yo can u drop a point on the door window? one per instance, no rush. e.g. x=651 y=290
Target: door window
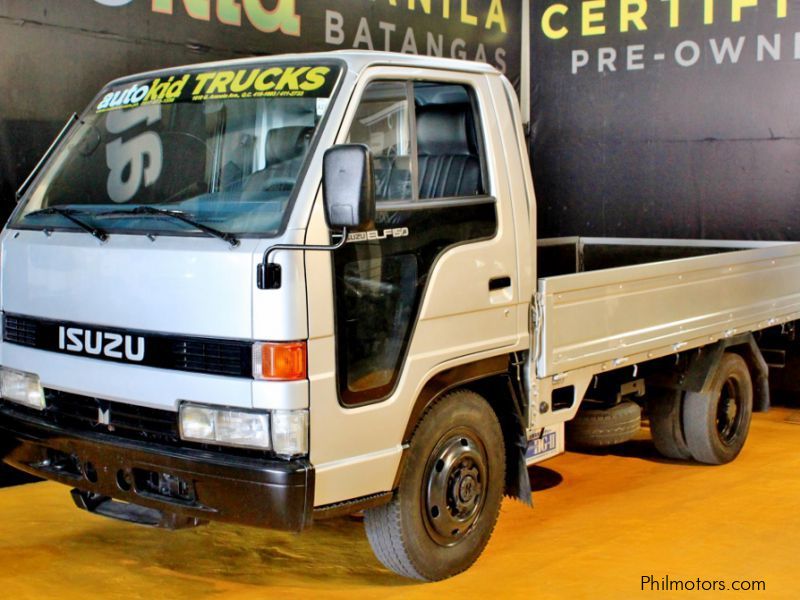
x=382 y=122
x=429 y=167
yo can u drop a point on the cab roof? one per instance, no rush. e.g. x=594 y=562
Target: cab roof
x=356 y=61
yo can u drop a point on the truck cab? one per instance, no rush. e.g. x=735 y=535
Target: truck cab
x=181 y=342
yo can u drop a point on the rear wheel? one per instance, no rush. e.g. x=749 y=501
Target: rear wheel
x=716 y=423
x=449 y=494
x=664 y=409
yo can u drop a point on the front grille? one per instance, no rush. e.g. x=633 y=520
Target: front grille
x=19 y=330
x=75 y=412
x=211 y=356
x=125 y=420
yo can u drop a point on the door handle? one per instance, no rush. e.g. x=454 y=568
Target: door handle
x=498 y=283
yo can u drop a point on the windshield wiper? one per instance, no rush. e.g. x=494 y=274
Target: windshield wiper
x=180 y=216
x=69 y=214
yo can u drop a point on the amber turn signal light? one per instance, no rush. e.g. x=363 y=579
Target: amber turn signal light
x=284 y=361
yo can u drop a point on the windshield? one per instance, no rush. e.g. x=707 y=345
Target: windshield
x=223 y=148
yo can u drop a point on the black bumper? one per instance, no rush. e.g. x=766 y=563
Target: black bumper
x=183 y=484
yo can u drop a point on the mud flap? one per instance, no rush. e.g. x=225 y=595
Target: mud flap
x=518 y=482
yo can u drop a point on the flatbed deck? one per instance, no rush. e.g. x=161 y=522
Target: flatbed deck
x=596 y=319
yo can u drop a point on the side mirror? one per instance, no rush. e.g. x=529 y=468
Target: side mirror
x=348 y=187
x=348 y=192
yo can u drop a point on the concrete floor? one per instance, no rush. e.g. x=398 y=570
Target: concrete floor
x=601 y=523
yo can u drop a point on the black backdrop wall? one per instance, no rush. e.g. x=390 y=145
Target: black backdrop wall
x=667 y=118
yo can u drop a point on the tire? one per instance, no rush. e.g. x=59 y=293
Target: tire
x=716 y=423
x=666 y=427
x=601 y=427
x=449 y=493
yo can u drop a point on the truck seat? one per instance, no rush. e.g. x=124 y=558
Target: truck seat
x=285 y=149
x=287 y=143
x=392 y=177
x=447 y=152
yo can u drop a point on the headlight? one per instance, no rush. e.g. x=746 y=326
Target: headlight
x=225 y=426
x=22 y=388
x=285 y=432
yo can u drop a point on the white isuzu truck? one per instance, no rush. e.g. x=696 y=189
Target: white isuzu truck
x=278 y=290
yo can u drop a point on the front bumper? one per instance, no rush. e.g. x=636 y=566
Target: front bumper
x=181 y=483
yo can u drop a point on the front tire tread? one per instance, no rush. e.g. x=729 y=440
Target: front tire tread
x=385 y=527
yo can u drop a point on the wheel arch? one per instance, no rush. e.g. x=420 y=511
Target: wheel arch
x=492 y=379
x=703 y=365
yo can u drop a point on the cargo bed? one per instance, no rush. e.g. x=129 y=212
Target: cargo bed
x=602 y=304
x=607 y=303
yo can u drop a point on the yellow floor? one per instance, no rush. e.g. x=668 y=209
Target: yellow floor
x=600 y=524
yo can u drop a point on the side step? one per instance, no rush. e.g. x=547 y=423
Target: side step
x=131 y=513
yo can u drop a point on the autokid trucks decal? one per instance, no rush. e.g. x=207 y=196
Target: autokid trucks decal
x=263 y=82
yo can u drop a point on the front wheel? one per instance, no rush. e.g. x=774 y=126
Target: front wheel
x=449 y=493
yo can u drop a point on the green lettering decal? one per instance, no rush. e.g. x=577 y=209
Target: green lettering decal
x=229 y=12
x=283 y=17
x=197 y=9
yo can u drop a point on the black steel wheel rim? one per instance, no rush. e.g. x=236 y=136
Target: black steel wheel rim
x=729 y=411
x=454 y=487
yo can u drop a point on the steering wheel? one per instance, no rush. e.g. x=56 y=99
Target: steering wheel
x=279 y=184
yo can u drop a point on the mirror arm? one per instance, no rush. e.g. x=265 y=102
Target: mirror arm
x=269 y=273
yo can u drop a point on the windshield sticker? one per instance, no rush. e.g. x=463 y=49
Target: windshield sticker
x=267 y=82
x=138 y=160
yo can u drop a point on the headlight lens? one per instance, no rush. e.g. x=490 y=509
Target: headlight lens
x=22 y=388
x=283 y=431
x=197 y=423
x=243 y=429
x=225 y=426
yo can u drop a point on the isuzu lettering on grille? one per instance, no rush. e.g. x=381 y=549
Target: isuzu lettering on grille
x=96 y=343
